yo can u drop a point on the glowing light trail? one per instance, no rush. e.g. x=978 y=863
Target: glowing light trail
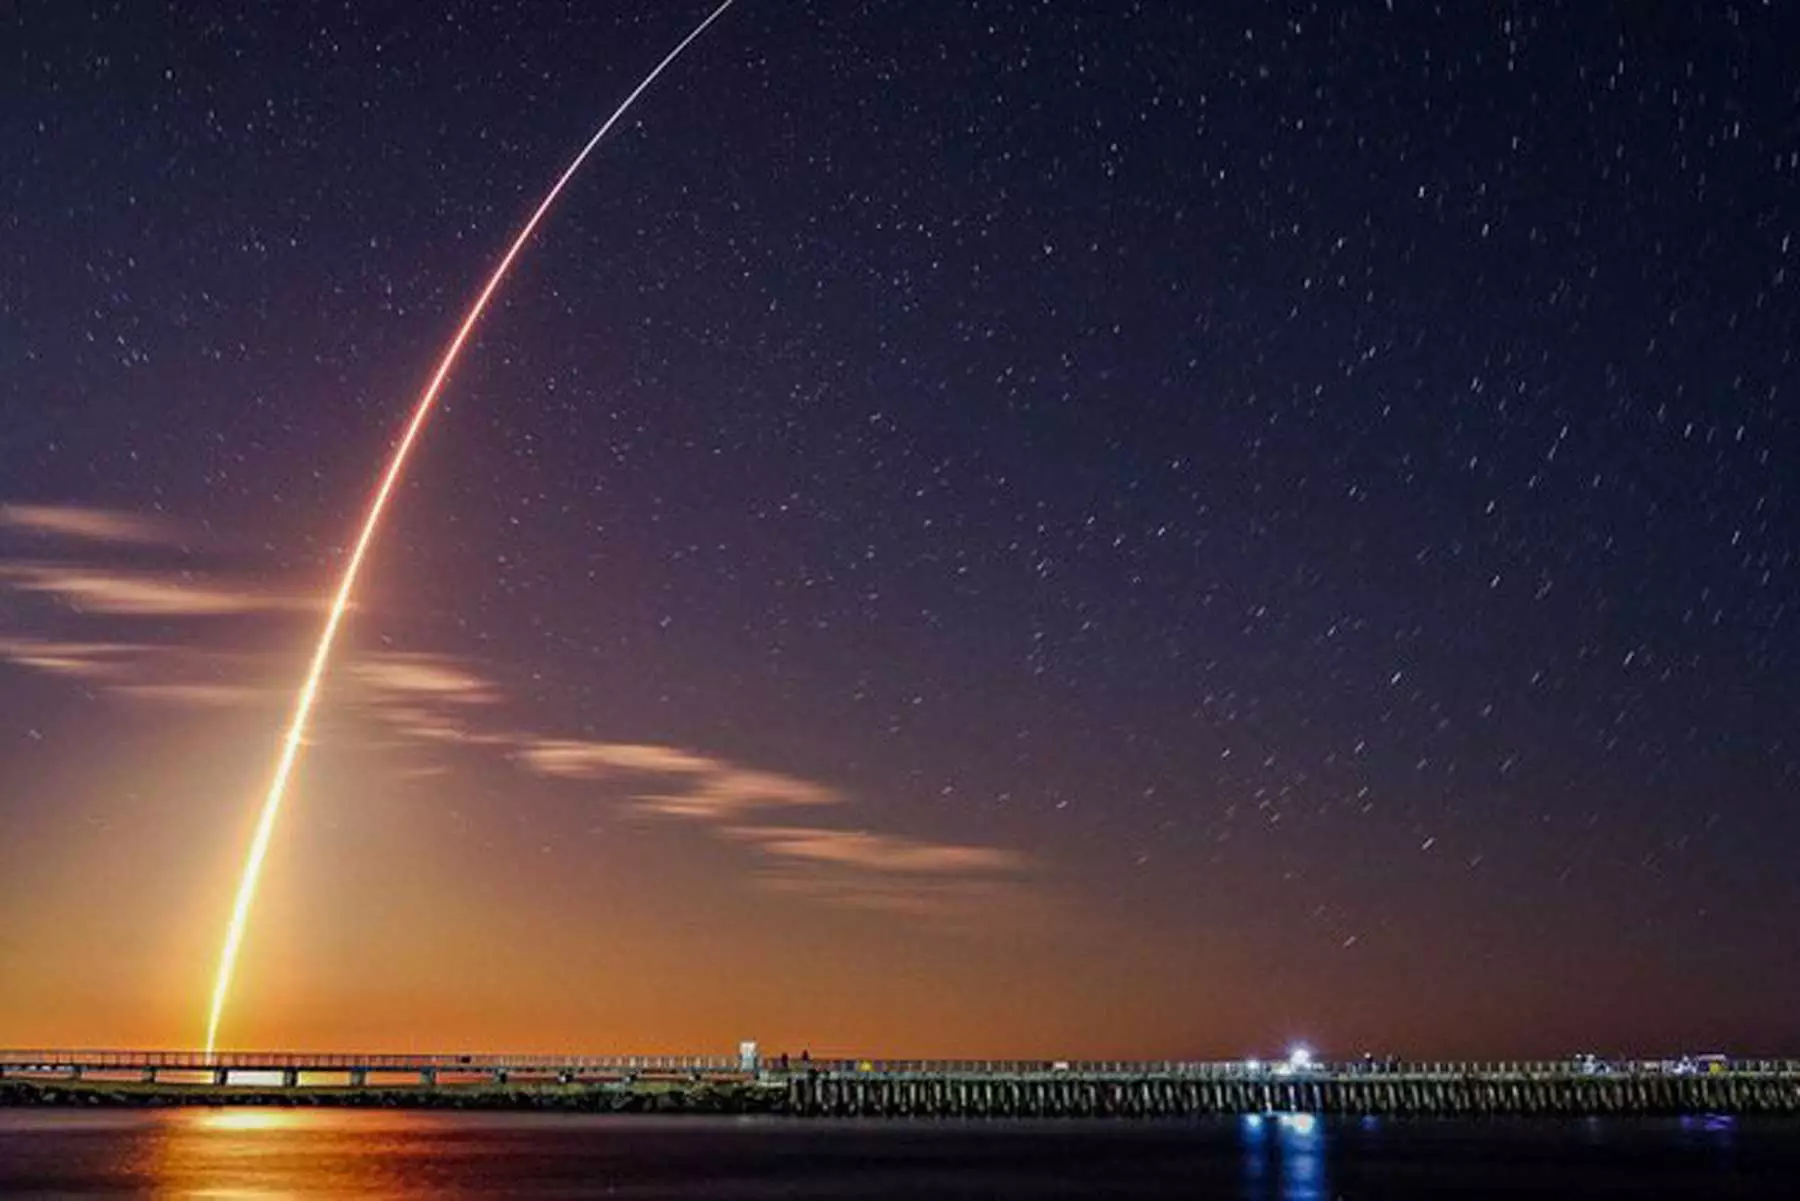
x=321 y=659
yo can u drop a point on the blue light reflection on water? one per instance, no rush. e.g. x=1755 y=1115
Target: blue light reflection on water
x=1711 y=1129
x=1253 y=1135
x=1283 y=1157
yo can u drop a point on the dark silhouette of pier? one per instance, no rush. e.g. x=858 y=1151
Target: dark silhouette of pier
x=930 y=1088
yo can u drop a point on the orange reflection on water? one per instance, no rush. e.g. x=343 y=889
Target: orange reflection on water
x=249 y=1119
x=280 y=1152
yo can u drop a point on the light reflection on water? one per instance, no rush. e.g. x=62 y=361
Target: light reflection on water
x=249 y=1119
x=263 y=1153
x=1283 y=1157
x=278 y=1152
x=1713 y=1129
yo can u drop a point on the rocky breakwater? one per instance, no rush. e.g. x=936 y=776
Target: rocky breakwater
x=700 y=1097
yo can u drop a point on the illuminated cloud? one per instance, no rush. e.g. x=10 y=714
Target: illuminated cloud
x=950 y=885
x=433 y=678
x=421 y=697
x=876 y=852
x=691 y=786
x=78 y=660
x=972 y=904
x=571 y=759
x=87 y=524
x=437 y=701
x=137 y=594
x=164 y=674
x=196 y=694
x=423 y=723
x=728 y=791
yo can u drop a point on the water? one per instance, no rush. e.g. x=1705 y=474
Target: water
x=323 y=1152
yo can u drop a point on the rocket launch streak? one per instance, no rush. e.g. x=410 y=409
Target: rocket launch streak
x=340 y=603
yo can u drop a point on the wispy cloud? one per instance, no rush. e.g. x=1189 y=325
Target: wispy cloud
x=118 y=593
x=947 y=884
x=950 y=902
x=113 y=589
x=422 y=698
x=199 y=695
x=729 y=791
x=79 y=660
x=889 y=853
x=165 y=674
x=423 y=678
x=441 y=724
x=572 y=759
x=439 y=701
x=415 y=693
x=435 y=701
x=676 y=783
x=86 y=524
x=427 y=698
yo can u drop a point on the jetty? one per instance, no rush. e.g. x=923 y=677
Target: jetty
x=882 y=1088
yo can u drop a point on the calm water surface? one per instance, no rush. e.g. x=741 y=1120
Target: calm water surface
x=312 y=1153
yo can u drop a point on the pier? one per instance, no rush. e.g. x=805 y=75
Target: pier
x=873 y=1088
x=1190 y=1090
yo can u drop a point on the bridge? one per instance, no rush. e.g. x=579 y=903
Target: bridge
x=222 y=1068
x=749 y=1082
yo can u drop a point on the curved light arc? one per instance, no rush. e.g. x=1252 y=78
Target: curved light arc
x=308 y=696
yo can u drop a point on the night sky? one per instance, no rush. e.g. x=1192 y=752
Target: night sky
x=1067 y=529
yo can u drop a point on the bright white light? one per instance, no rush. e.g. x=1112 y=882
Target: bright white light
x=1253 y=1065
x=1300 y=1057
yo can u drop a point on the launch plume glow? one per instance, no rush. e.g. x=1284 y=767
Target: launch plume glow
x=340 y=602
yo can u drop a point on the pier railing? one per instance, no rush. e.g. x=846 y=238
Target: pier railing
x=1260 y=1070
x=344 y=1061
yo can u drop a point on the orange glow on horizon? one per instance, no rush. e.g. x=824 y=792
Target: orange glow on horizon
x=309 y=690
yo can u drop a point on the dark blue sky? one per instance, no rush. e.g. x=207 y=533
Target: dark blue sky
x=1300 y=497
